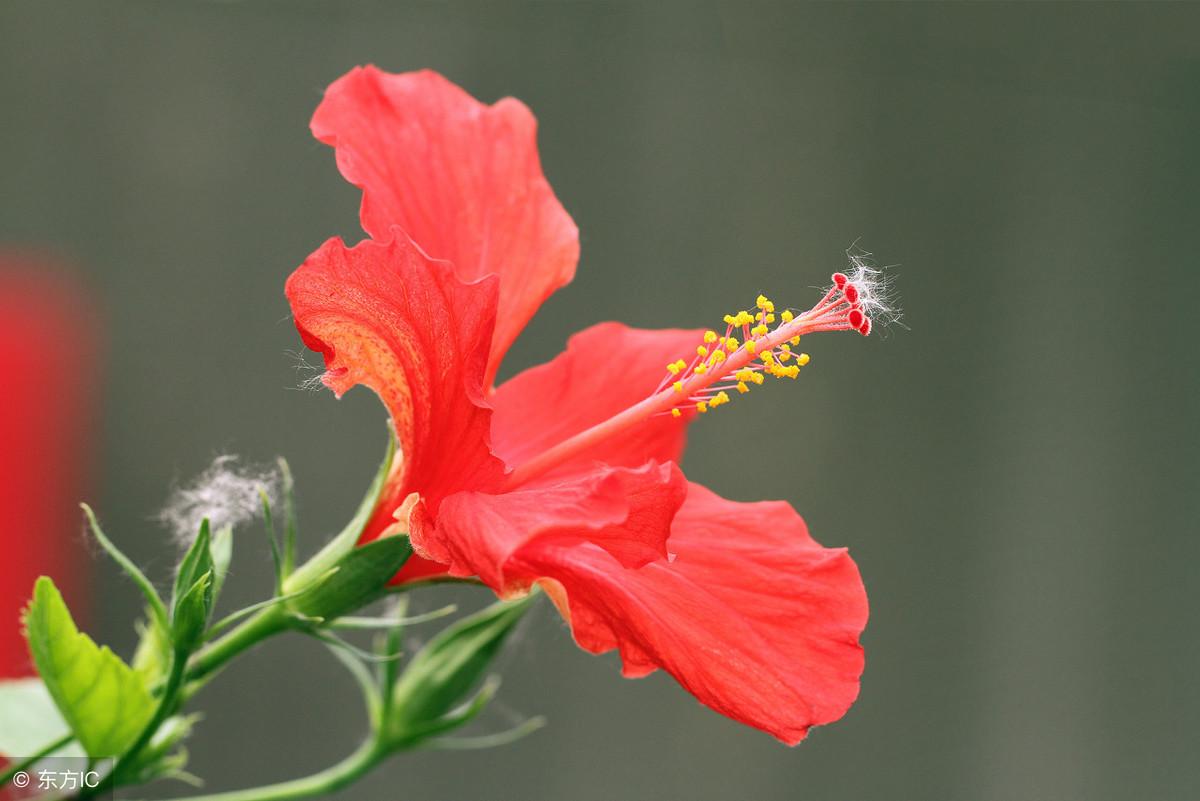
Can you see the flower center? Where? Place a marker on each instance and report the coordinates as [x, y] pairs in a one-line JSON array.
[[723, 363]]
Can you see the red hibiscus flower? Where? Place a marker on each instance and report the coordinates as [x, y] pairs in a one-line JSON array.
[[567, 474], [44, 413]]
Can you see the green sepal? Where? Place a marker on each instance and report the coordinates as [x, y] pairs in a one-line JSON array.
[[160, 759], [157, 607], [428, 697], [355, 580], [152, 659], [344, 543], [191, 615], [102, 699], [192, 599]]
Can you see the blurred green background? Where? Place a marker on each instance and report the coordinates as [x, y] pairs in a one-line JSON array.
[[1016, 474]]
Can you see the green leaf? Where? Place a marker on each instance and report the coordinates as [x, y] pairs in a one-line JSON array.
[[356, 580], [425, 698], [102, 699], [344, 543], [29, 720]]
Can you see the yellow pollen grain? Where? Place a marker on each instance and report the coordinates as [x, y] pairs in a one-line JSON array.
[[717, 357], [745, 374], [770, 318], [731, 344], [751, 346], [759, 330], [678, 387], [673, 367], [787, 316], [710, 337], [795, 340], [676, 413], [742, 388], [785, 346], [783, 357], [758, 378], [701, 369], [701, 350], [802, 359], [702, 407]]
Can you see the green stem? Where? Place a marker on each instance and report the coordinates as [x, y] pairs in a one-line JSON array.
[[332, 778], [28, 762], [166, 706], [266, 623]]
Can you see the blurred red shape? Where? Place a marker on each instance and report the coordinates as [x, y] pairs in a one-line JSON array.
[[49, 346]]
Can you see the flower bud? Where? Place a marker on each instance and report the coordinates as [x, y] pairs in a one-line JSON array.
[[430, 696]]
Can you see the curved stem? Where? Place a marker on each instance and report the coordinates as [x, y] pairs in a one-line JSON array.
[[332, 778], [267, 622], [17, 767]]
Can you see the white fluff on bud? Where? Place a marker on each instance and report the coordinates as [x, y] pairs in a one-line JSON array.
[[227, 493]]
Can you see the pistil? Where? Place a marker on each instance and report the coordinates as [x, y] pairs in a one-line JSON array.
[[722, 364]]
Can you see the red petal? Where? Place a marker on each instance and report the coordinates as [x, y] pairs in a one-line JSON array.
[[461, 177], [752, 616], [385, 315], [626, 514], [605, 369]]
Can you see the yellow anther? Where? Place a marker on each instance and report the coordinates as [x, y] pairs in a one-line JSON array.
[[793, 372], [742, 388], [730, 320], [770, 318], [710, 337], [795, 340], [717, 357], [745, 374], [743, 318], [702, 407], [783, 357], [678, 387], [787, 316], [721, 399], [674, 368], [785, 346], [759, 330], [758, 378], [732, 344], [764, 303], [701, 369], [700, 349], [751, 346], [802, 359], [682, 364], [676, 413], [768, 358]]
